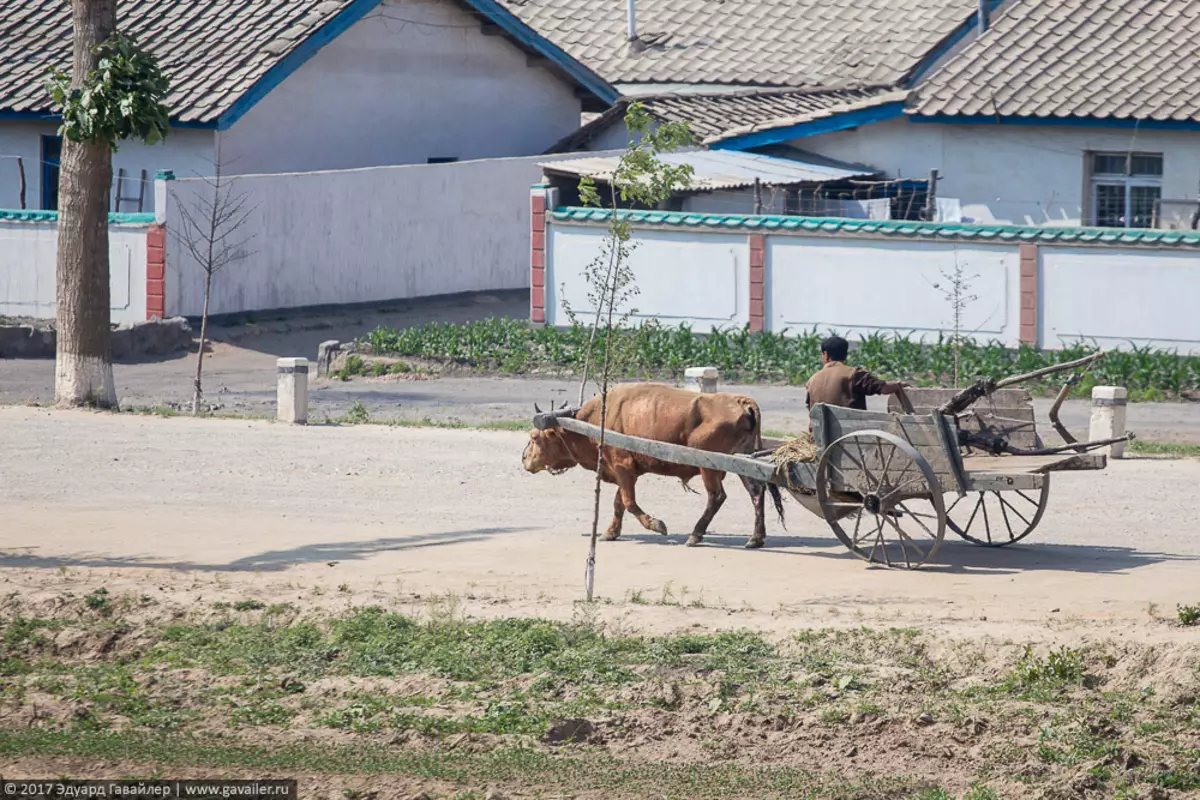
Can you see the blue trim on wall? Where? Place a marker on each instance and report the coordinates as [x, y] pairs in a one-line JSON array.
[[1067, 122], [360, 8], [840, 122], [527, 36], [17, 215], [295, 59], [36, 116], [949, 43]]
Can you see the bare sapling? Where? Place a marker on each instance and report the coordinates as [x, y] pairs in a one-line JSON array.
[[640, 179]]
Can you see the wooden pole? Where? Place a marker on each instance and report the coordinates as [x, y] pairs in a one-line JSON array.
[[931, 197], [757, 196], [21, 172]]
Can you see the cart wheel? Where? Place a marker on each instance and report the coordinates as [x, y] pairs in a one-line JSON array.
[[996, 519], [881, 498]]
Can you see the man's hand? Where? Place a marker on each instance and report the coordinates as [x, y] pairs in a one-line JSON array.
[[896, 386]]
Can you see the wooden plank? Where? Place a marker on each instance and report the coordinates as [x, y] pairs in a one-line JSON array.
[[919, 431], [1005, 482], [758, 469], [1034, 464], [1007, 413]]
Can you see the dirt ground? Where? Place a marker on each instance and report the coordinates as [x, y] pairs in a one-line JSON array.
[[240, 376], [117, 527], [194, 505]]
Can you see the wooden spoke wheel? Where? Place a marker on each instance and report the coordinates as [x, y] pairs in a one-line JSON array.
[[996, 519], [881, 498]]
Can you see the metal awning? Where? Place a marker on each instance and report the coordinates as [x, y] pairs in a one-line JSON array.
[[725, 169]]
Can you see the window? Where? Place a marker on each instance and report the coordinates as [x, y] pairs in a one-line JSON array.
[[51, 153], [1125, 188], [441, 160]]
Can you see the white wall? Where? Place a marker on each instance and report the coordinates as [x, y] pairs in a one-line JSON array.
[[682, 279], [1021, 174], [391, 90], [363, 235], [1115, 297], [27, 270], [860, 286], [187, 151]]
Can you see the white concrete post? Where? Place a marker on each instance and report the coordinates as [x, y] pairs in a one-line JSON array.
[[292, 393], [160, 195], [1108, 417], [701, 379]]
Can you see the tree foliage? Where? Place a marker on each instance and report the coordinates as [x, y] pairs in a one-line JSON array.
[[120, 99]]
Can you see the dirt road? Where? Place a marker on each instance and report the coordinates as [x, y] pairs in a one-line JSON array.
[[205, 507]]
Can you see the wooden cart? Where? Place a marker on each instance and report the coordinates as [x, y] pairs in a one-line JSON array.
[[881, 479]]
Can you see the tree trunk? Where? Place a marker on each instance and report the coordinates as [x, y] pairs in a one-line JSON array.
[[198, 387], [83, 373]]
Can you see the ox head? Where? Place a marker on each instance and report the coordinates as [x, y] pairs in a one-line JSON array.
[[547, 450]]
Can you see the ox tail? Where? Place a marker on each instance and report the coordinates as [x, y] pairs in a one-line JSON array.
[[777, 499], [754, 417]]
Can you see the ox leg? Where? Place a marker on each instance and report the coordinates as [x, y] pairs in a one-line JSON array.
[[714, 484], [758, 496], [627, 481], [614, 527]]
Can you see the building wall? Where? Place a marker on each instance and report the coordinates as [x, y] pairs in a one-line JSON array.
[[28, 252], [681, 280], [187, 151], [413, 80], [364, 235], [1020, 174], [1024, 285]]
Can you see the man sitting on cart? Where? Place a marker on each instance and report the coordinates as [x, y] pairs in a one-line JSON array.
[[839, 384]]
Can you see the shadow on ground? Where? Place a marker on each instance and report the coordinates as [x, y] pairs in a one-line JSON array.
[[270, 561]]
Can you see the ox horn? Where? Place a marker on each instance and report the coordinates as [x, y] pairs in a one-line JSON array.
[[535, 408], [564, 405]]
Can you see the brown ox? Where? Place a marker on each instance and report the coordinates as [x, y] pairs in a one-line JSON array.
[[719, 423]]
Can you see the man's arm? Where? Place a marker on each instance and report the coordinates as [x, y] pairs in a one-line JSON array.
[[866, 384]]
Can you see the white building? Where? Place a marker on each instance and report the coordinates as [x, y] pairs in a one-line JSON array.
[[1050, 112], [301, 85]]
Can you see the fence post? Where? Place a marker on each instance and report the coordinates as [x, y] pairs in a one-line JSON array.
[[292, 391], [542, 200], [1108, 417], [701, 379]]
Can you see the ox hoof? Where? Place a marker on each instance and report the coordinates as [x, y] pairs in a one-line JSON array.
[[754, 544], [609, 536], [694, 540], [659, 527]]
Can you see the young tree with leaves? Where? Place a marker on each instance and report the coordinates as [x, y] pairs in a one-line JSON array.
[[640, 179], [114, 92]]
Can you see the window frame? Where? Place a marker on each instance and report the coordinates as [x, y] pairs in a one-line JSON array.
[[1126, 181]]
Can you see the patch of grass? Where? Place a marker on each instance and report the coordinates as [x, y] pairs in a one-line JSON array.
[[1188, 616], [512, 345], [556, 773], [357, 414], [249, 605], [352, 366], [1166, 449], [98, 600], [1045, 676]]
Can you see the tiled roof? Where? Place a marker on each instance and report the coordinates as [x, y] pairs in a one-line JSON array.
[[213, 52], [715, 117], [1124, 59], [808, 43], [893, 228]]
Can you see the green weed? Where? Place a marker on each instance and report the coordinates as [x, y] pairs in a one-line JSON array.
[[1189, 616]]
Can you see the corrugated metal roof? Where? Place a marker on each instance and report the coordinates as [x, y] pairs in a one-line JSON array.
[[725, 169]]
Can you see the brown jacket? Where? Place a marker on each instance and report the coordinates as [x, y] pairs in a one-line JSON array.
[[839, 384]]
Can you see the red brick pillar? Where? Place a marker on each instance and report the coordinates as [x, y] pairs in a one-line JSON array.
[[1029, 294], [542, 199], [156, 271], [758, 253]]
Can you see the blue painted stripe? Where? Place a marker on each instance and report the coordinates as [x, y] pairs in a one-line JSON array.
[[949, 43], [527, 36], [19, 215], [890, 228], [840, 122], [1064, 122], [295, 59], [47, 116]]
